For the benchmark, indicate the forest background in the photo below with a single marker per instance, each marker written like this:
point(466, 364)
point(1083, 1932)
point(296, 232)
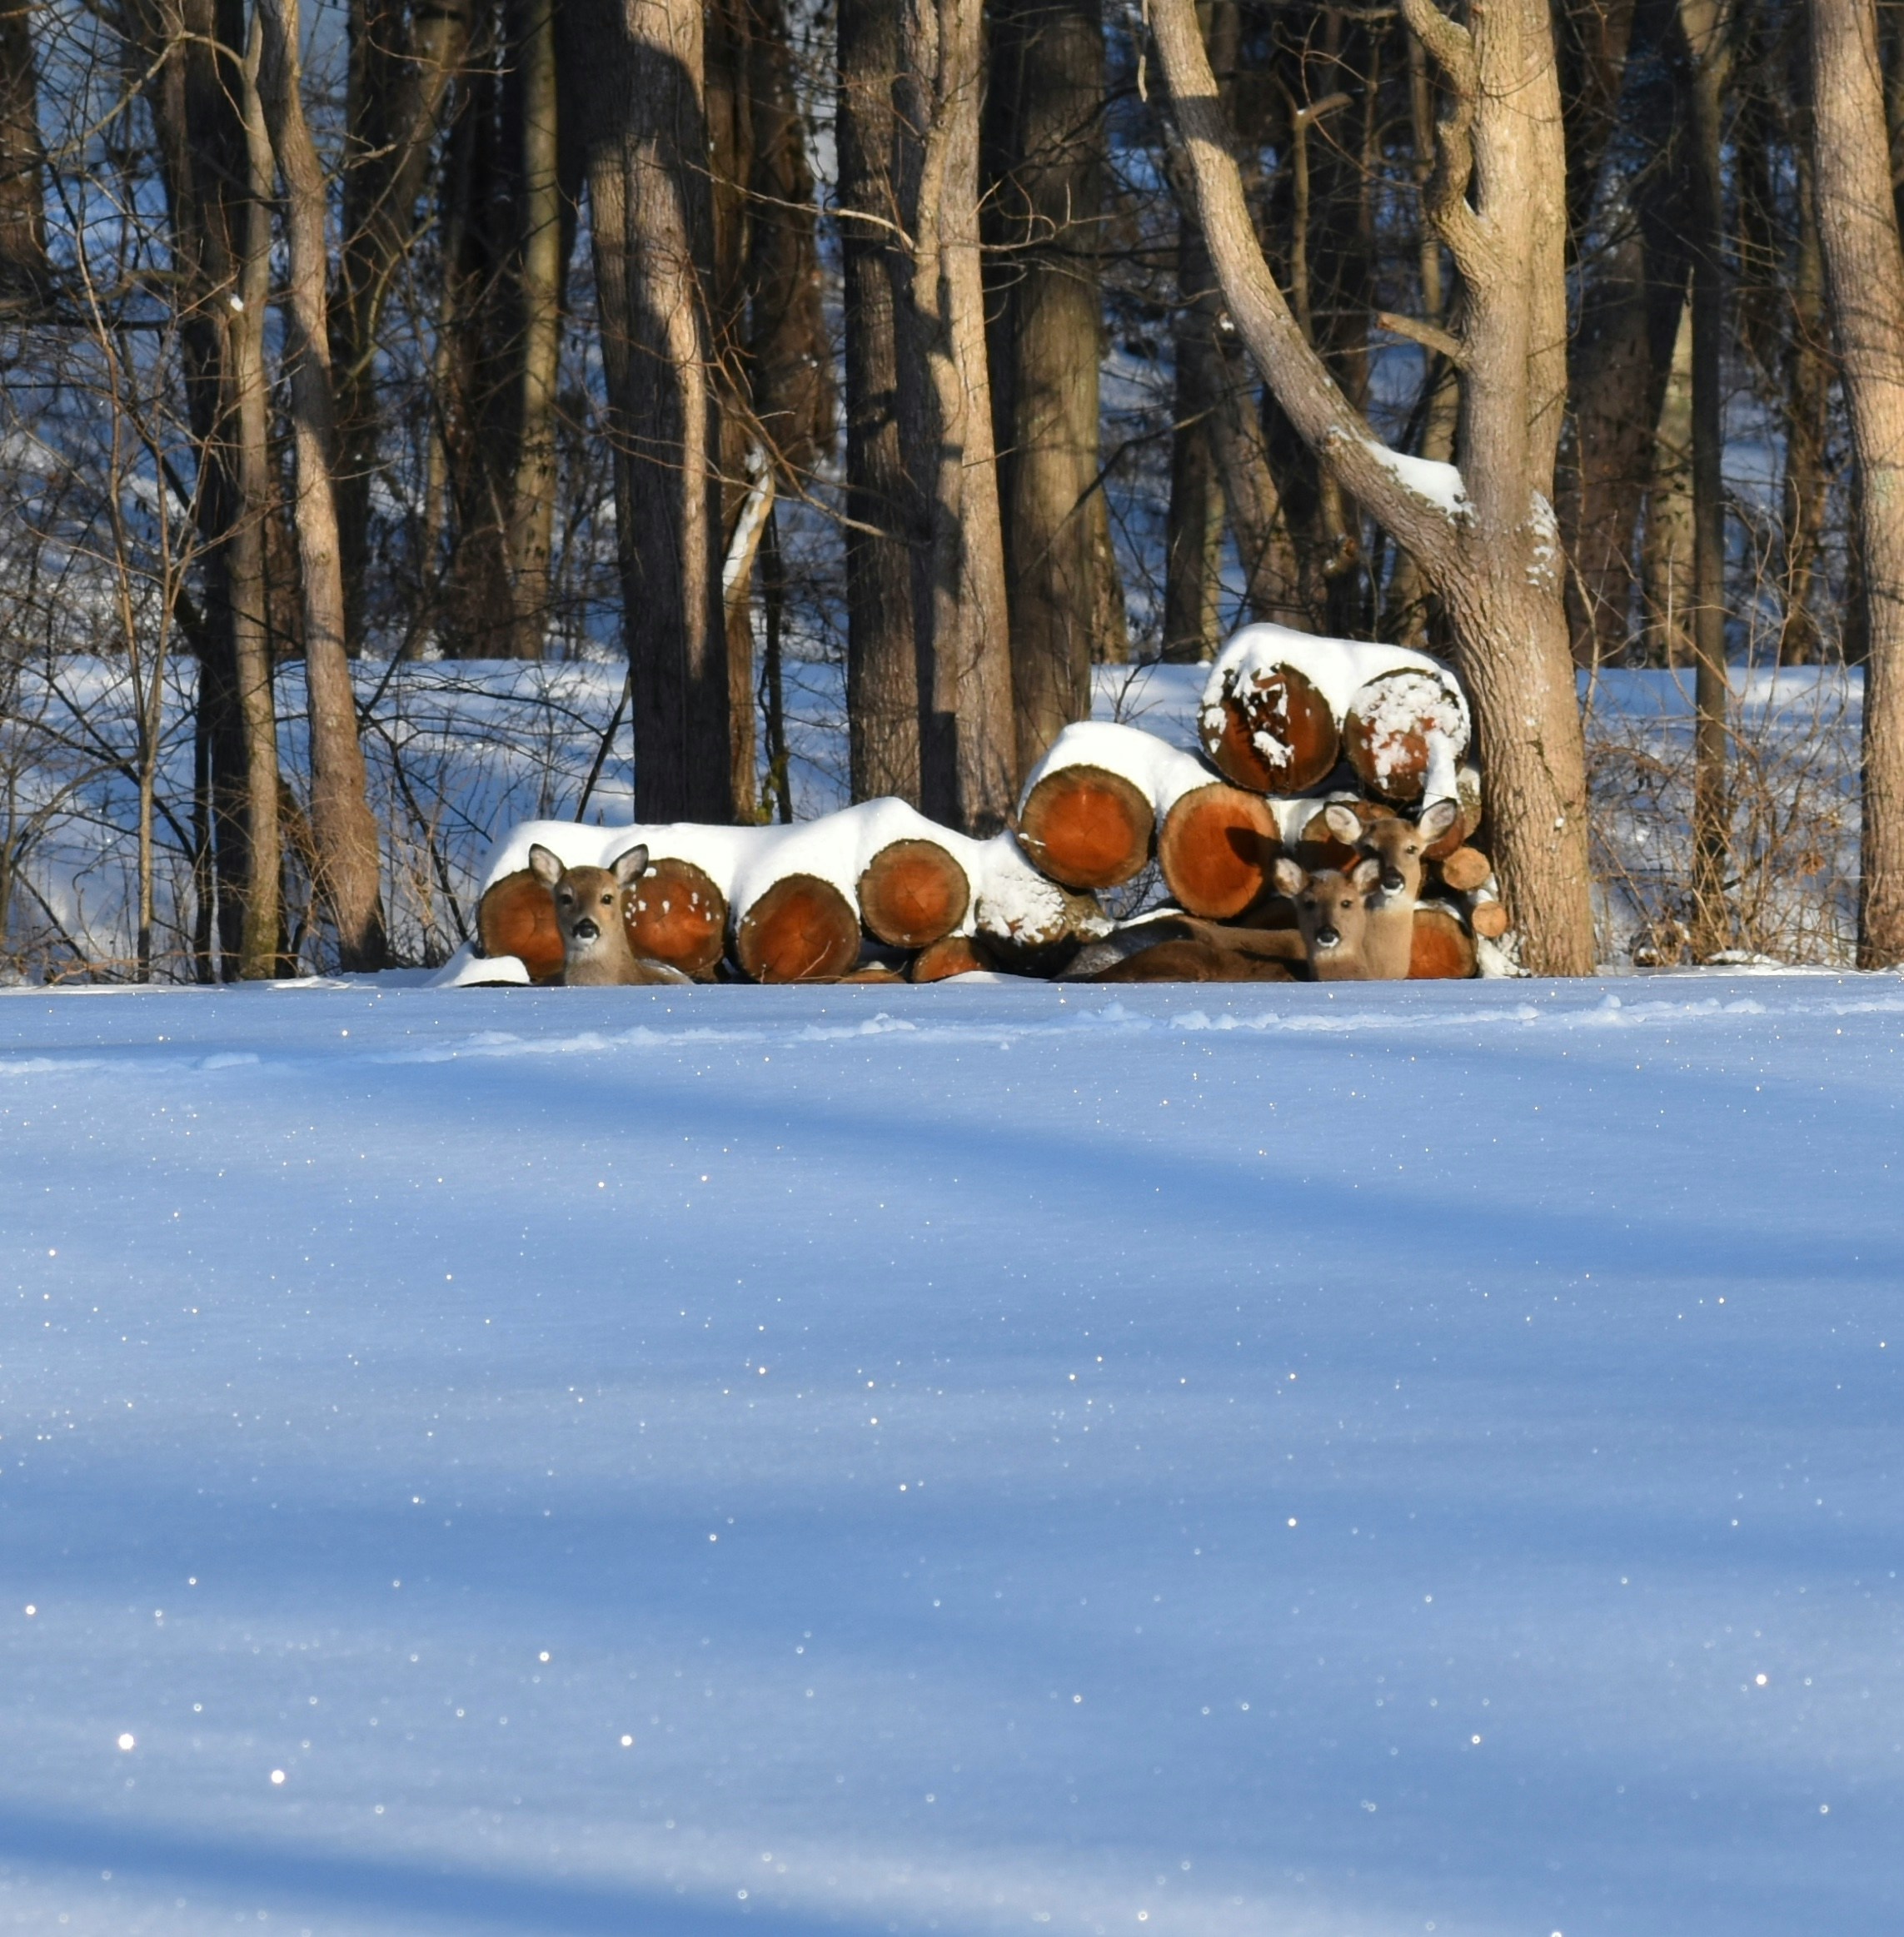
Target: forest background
point(417, 416)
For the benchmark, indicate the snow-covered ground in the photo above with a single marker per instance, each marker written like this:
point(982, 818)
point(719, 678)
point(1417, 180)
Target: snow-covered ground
point(992, 1457)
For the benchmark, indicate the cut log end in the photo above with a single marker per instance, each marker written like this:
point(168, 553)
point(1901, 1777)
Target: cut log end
point(1271, 731)
point(1216, 848)
point(1086, 827)
point(955, 955)
point(913, 893)
point(1465, 869)
point(677, 915)
point(516, 917)
point(1489, 918)
point(801, 929)
point(1444, 950)
point(1386, 733)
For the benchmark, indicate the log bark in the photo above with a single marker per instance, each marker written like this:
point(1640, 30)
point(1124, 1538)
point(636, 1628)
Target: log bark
point(516, 916)
point(1086, 827)
point(913, 893)
point(677, 914)
point(1498, 202)
point(1044, 125)
point(1273, 732)
point(1215, 849)
point(882, 664)
point(643, 128)
point(801, 929)
point(344, 831)
point(1443, 949)
point(1857, 219)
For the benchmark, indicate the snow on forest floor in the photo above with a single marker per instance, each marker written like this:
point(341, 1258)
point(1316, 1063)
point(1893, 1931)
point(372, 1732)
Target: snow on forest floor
point(993, 1458)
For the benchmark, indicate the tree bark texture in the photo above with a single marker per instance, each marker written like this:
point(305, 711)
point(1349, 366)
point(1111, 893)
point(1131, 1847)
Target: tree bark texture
point(882, 664)
point(214, 158)
point(637, 67)
point(961, 629)
point(1044, 192)
point(1498, 201)
point(1858, 220)
point(25, 276)
point(343, 829)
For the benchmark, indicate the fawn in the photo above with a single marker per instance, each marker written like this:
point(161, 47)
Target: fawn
point(1333, 915)
point(590, 910)
point(1397, 846)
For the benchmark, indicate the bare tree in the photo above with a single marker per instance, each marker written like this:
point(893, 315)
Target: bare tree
point(25, 276)
point(1857, 219)
point(345, 832)
point(1485, 537)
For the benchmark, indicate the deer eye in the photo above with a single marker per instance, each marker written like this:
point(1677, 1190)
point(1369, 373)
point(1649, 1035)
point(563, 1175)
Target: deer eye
point(606, 899)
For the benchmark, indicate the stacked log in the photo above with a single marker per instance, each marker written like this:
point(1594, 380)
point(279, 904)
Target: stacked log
point(853, 896)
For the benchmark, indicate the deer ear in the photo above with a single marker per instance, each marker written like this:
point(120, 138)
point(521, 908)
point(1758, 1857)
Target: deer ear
point(630, 866)
point(1367, 877)
point(1438, 820)
point(1289, 878)
point(545, 866)
point(1343, 821)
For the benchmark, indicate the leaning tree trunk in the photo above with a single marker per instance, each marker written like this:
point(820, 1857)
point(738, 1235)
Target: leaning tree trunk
point(968, 756)
point(1045, 110)
point(636, 69)
point(1485, 538)
point(343, 827)
point(882, 666)
point(1858, 220)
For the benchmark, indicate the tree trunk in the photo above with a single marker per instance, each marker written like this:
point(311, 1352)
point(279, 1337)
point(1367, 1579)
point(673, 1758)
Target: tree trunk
point(882, 665)
point(341, 824)
point(637, 72)
point(402, 63)
point(1857, 221)
point(1193, 541)
point(25, 276)
point(542, 243)
point(1708, 32)
point(968, 755)
point(1666, 557)
point(1045, 189)
point(1485, 541)
point(1808, 376)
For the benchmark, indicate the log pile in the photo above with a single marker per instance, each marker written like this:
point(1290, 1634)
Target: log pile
point(1290, 726)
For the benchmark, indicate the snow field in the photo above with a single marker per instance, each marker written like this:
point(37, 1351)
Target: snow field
point(991, 1458)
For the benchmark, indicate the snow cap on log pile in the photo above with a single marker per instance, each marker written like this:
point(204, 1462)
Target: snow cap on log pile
point(1090, 808)
point(1337, 670)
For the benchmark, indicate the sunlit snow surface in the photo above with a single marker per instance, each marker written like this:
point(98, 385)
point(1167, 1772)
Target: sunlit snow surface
point(983, 1458)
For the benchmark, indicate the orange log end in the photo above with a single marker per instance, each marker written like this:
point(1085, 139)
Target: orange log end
point(516, 917)
point(1465, 869)
point(913, 893)
point(1086, 827)
point(1271, 732)
point(1489, 918)
point(676, 914)
point(802, 929)
point(1443, 949)
point(1216, 848)
point(1386, 734)
point(955, 955)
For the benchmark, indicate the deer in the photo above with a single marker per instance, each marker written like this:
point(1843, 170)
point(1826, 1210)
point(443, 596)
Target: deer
point(1397, 846)
point(590, 905)
point(1333, 915)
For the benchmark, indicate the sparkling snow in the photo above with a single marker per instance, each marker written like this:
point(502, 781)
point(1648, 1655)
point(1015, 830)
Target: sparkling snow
point(993, 1458)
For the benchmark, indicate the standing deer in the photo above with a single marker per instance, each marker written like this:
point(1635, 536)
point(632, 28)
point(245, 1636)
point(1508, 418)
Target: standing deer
point(590, 910)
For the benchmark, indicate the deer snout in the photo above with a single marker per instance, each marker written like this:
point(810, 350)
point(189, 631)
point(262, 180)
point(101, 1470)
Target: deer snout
point(586, 929)
point(1327, 935)
point(1393, 881)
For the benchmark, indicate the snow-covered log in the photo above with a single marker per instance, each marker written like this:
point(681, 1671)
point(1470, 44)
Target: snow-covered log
point(1399, 725)
point(1278, 705)
point(678, 914)
point(1091, 807)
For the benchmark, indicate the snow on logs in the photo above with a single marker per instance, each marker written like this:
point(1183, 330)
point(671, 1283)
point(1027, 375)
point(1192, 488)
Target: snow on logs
point(1282, 709)
point(790, 903)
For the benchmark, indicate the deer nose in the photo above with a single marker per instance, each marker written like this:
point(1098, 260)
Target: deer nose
point(1327, 937)
point(1392, 879)
point(584, 930)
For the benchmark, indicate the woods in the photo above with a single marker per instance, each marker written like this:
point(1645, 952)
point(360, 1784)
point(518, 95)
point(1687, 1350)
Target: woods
point(875, 384)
